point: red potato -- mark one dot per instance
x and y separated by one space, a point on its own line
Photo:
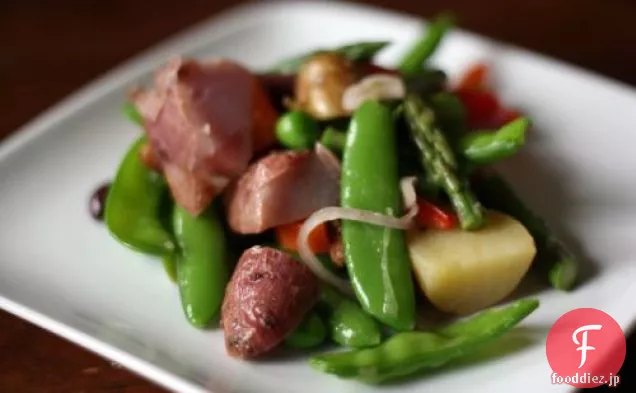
267 298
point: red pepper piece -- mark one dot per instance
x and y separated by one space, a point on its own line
474 78
505 116
481 107
431 216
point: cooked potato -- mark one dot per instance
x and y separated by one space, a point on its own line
462 271
320 84
267 298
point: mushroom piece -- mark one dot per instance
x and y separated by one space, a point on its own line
320 84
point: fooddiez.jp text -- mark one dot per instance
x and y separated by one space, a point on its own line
612 381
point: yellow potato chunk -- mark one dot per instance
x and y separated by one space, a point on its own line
462 272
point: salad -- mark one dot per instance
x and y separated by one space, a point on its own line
328 199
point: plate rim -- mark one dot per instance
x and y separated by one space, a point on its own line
215 28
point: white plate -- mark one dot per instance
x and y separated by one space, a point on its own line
62 271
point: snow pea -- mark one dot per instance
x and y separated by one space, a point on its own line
202 266
347 323
407 353
309 334
133 204
131 113
376 257
170 267
486 147
358 52
424 48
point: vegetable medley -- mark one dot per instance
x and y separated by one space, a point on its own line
326 199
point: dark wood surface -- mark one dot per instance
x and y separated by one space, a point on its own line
51 48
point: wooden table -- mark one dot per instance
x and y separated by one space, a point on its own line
51 48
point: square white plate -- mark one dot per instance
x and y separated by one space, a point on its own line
62 271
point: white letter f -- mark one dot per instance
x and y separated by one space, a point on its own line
584 347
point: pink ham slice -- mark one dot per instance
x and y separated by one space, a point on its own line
281 188
198 121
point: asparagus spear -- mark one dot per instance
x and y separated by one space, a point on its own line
439 162
553 258
424 48
355 52
560 264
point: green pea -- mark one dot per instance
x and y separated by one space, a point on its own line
309 334
297 130
347 323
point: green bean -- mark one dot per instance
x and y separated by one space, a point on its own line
376 257
424 48
407 353
132 212
297 130
309 334
202 267
357 52
553 258
348 324
486 147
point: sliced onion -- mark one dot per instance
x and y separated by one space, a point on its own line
342 213
326 156
309 258
409 196
375 87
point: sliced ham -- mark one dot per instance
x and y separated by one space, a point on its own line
281 188
199 118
